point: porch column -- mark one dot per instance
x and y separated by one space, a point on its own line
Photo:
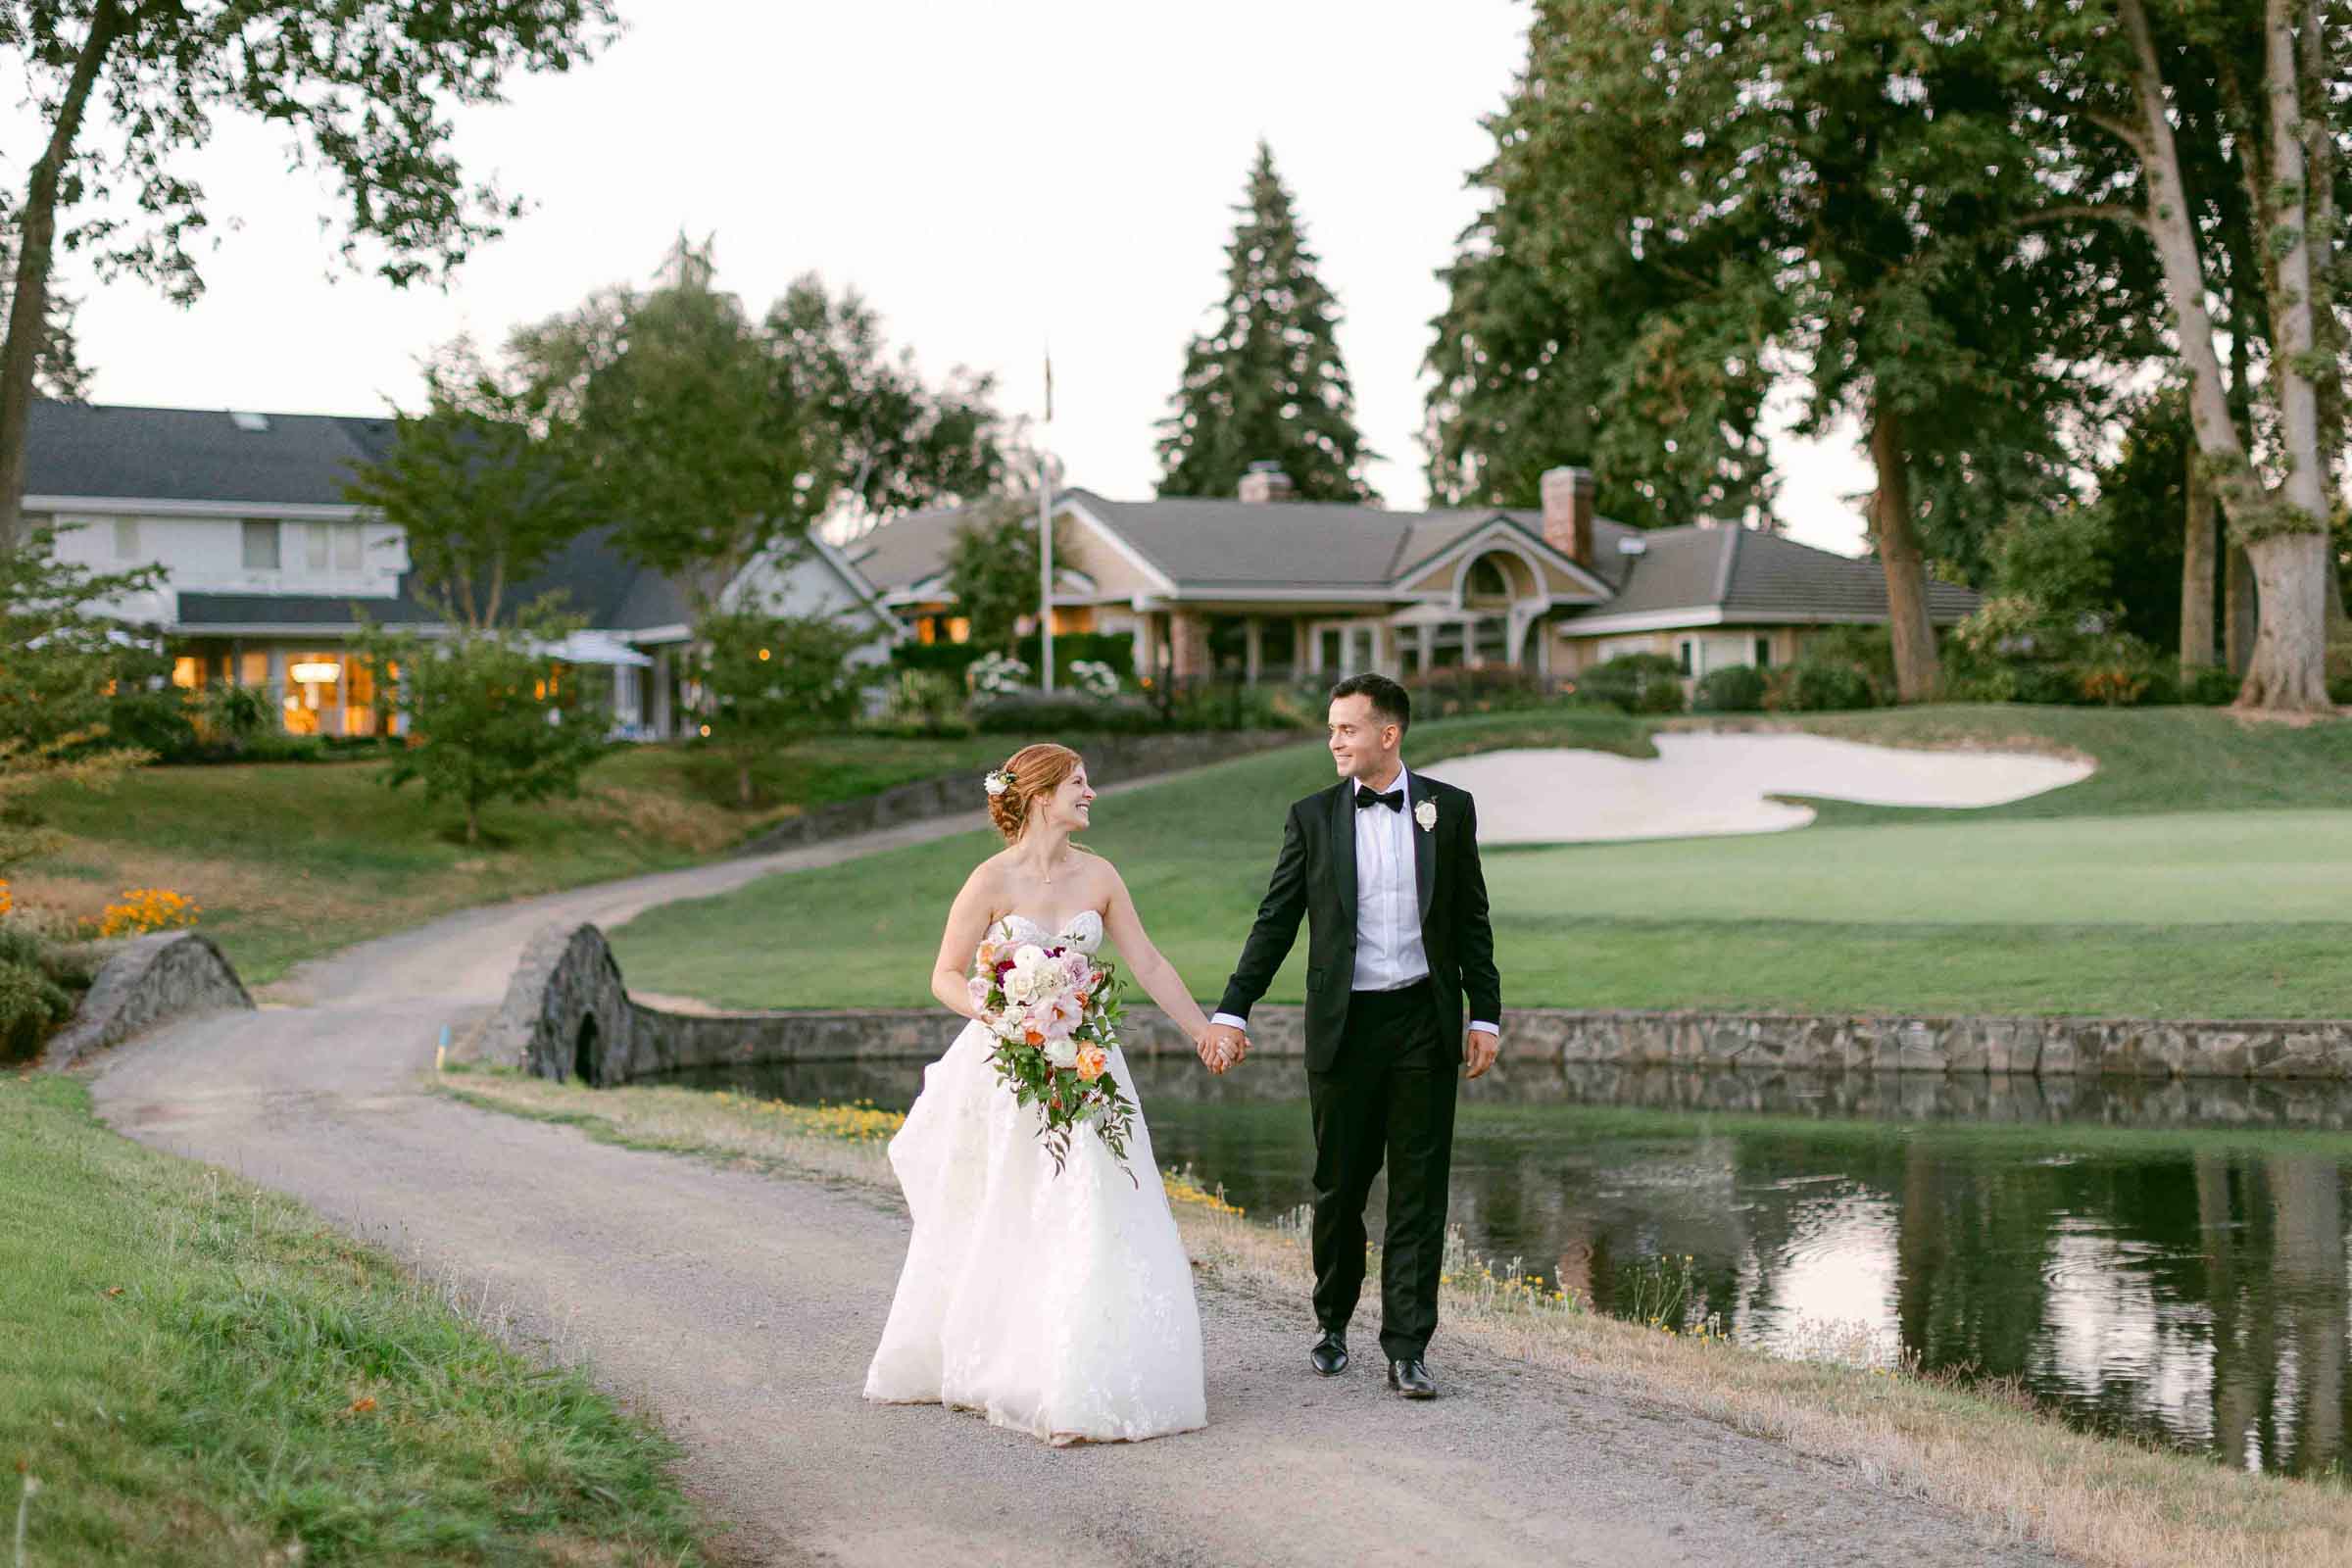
1253 646
277 684
1425 642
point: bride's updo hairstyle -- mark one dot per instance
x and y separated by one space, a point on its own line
1028 776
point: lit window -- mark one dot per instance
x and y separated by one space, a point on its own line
184 674
260 544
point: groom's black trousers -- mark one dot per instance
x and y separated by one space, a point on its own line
1389 1093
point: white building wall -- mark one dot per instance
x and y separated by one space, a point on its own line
207 554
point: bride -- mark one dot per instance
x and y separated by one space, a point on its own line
1060 1305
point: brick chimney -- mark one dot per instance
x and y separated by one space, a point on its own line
1266 481
1568 513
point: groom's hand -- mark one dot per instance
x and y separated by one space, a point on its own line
1222 1046
1484 1047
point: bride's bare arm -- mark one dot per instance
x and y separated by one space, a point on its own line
967 923
1154 973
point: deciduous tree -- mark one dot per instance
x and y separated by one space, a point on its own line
124 91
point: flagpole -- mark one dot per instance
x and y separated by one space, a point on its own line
1044 535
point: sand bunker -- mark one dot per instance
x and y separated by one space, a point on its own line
1711 784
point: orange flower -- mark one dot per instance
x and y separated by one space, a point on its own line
1093 1062
1033 1037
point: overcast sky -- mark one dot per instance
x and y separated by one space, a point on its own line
989 177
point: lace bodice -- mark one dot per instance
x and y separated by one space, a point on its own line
1082 930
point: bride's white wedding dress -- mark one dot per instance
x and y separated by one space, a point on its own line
1057 1305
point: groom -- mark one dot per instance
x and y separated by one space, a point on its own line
1385 868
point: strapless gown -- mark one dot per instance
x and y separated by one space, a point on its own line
1059 1306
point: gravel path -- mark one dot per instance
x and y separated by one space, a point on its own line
740 1309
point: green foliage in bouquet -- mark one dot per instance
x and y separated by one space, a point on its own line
1083 1093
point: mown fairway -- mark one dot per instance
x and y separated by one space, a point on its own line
2206 870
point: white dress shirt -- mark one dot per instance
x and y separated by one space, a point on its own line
1389 950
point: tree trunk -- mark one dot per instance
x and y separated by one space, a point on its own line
2197 548
743 780
2289 671
474 821
28 309
1917 674
2240 616
2287 663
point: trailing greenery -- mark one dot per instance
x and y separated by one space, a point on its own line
199 1374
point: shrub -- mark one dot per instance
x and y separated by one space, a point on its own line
1036 714
995 675
2340 669
2211 686
1094 679
235 717
923 700
1634 683
1485 689
1235 705
1113 647
937 659
1820 686
1868 649
1732 689
32 1005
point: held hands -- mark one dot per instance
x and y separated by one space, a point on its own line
1222 1046
1480 1054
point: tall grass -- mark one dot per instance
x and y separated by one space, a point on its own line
200 1373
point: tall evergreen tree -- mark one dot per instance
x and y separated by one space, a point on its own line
1267 382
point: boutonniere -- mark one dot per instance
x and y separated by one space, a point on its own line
1425 813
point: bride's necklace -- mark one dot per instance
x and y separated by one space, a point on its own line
1045 872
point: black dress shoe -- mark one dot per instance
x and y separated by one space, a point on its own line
1330 1354
1412 1380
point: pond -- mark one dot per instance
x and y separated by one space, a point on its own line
2162 1259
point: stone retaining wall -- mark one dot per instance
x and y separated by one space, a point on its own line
143 982
1109 759
567 1013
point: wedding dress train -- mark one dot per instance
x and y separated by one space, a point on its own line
1060 1305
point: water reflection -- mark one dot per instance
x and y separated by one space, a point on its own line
2164 1258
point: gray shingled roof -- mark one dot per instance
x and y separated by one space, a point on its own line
201 609
907 548
1752 573
1772 574
1205 544
77 449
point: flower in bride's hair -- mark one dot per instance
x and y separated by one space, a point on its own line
998 781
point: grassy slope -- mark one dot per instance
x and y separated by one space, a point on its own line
199 1373
2081 900
290 861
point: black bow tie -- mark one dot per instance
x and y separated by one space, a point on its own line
1364 797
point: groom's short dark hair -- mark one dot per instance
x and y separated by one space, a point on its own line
1390 703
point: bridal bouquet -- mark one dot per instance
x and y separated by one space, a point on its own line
1055 1013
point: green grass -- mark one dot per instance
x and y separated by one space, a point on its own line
2196 876
200 1373
289 861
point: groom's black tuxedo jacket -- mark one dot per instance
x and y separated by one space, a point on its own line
1315 877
